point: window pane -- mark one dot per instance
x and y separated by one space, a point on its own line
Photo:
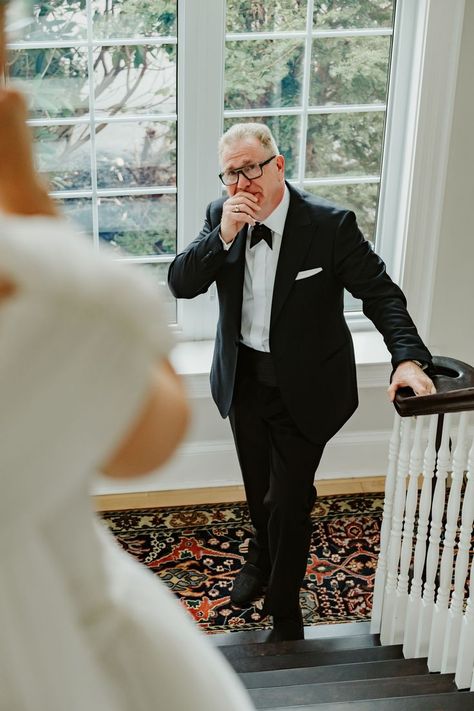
135 79
361 198
340 14
286 130
53 20
134 18
263 74
141 226
79 211
136 154
54 80
63 155
252 16
344 144
349 70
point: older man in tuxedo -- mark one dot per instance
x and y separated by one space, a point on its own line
283 368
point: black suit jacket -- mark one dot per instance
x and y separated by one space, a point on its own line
310 342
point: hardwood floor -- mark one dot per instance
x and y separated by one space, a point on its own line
213 495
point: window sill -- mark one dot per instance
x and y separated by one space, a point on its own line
192 360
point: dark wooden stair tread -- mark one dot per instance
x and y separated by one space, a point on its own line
339 673
316 658
276 697
340 629
335 673
457 701
257 649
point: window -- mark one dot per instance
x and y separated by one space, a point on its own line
101 80
127 134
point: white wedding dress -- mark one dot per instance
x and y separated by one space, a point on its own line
83 627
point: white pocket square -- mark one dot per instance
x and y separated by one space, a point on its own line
308 273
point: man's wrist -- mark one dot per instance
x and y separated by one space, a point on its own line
420 364
226 245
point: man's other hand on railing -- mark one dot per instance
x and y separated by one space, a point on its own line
408 374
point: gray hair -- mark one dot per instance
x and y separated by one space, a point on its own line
241 131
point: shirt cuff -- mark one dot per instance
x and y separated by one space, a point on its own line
226 245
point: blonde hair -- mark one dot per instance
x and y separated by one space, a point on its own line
250 129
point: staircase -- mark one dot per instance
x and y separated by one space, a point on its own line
338 668
417 653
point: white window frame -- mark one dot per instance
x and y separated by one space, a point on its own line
94 193
419 115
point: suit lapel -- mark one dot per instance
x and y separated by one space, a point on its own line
234 279
236 257
296 240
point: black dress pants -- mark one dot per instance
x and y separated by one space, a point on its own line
278 466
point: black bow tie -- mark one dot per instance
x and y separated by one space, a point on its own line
260 232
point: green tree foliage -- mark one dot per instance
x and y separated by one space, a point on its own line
141 225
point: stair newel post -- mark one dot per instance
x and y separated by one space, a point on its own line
388 610
381 572
414 471
465 653
454 616
410 649
425 629
440 608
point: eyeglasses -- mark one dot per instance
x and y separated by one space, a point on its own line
252 171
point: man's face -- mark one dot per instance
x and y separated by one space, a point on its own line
270 187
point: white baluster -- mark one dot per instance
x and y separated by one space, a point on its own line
414 470
440 609
465 656
381 572
414 599
454 617
386 631
437 508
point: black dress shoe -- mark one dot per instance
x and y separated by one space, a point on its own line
286 629
249 584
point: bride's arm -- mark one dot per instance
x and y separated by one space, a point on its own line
21 188
158 430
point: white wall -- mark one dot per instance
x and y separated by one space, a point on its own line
207 458
452 325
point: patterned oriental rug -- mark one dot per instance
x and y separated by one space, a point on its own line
197 551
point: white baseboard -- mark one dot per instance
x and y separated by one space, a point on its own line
214 464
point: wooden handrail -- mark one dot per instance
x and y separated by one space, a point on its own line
454 382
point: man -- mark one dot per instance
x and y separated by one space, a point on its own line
283 367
